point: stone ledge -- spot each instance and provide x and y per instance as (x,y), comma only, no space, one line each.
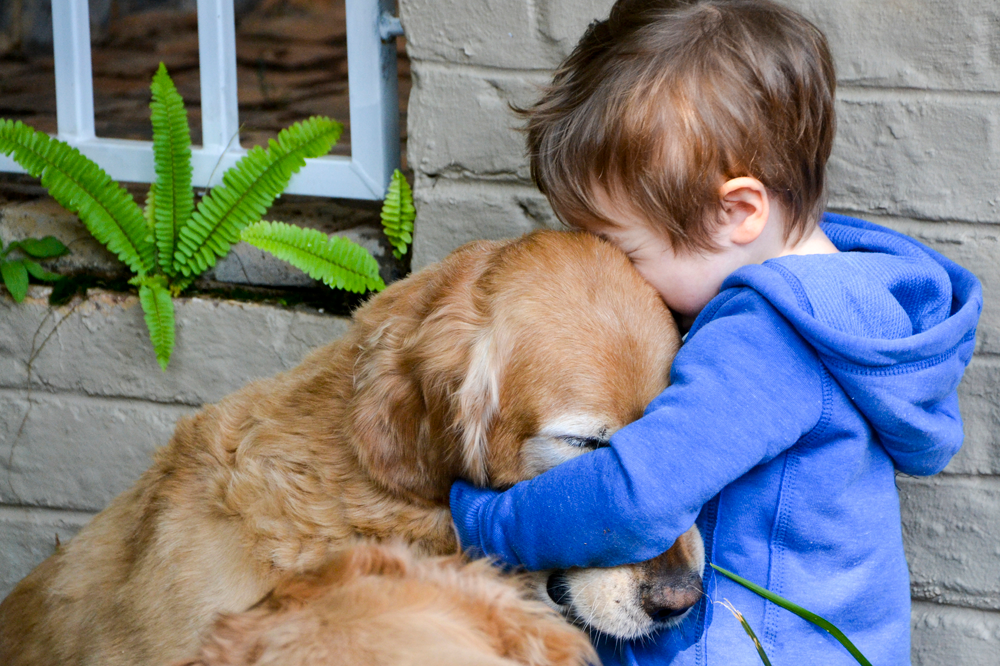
(950,635)
(951,528)
(101,346)
(28,536)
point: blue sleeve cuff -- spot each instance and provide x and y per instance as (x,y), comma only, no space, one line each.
(467,506)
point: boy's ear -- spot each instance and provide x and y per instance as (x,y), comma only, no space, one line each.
(745,208)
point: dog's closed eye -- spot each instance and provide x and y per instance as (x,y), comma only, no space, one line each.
(585,442)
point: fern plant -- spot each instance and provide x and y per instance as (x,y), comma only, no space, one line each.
(174,239)
(336,261)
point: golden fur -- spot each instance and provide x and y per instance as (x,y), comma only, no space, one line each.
(491,365)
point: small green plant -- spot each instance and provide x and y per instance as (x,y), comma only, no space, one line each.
(176,238)
(15,271)
(820,622)
(336,261)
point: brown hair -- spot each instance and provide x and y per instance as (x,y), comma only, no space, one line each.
(664,98)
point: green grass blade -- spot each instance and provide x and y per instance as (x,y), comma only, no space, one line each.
(800,611)
(159,313)
(336,261)
(398,214)
(82,187)
(40,273)
(15,276)
(247,191)
(172,158)
(748,629)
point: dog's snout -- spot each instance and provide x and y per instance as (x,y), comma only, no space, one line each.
(558,588)
(671,597)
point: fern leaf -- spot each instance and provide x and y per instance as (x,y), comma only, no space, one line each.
(159,314)
(398,214)
(172,157)
(247,191)
(334,260)
(105,207)
(149,211)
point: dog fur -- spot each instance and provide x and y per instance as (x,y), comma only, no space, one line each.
(494,365)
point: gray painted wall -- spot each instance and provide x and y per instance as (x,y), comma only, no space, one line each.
(918,149)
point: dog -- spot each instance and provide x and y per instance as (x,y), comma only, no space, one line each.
(382,605)
(500,362)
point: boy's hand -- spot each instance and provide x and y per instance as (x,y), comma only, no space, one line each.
(466,503)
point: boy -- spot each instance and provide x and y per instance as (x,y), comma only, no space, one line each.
(820,358)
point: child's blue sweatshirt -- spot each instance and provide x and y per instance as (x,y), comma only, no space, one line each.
(800,390)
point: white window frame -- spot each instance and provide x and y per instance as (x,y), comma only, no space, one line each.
(372,84)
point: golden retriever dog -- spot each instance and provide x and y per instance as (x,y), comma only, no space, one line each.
(378,605)
(500,362)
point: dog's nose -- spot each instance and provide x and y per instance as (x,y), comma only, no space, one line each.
(558,587)
(671,598)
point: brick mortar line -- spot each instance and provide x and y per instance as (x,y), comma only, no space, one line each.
(38,392)
(931,481)
(915,94)
(11,511)
(935,605)
(448,66)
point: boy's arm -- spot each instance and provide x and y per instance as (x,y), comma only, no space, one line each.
(745,387)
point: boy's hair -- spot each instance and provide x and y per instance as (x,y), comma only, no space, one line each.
(661,102)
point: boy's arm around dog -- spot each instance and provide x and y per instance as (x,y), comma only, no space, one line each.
(871,342)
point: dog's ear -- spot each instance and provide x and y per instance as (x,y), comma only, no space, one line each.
(417,380)
(479,403)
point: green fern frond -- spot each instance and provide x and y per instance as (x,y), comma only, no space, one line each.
(82,187)
(149,211)
(172,158)
(247,191)
(336,261)
(159,314)
(398,214)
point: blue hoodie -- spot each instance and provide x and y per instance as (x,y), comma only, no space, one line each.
(801,389)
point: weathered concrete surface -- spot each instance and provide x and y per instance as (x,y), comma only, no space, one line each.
(950,635)
(100,346)
(28,536)
(457,212)
(951,527)
(77,452)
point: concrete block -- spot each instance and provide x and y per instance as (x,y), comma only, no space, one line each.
(513,34)
(949,635)
(951,528)
(919,155)
(461,124)
(100,346)
(977,396)
(452,213)
(974,246)
(28,536)
(923,44)
(77,452)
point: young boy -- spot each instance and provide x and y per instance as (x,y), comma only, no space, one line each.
(823,356)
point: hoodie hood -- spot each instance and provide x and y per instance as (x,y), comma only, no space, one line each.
(893,322)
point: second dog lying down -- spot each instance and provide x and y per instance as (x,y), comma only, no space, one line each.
(495,365)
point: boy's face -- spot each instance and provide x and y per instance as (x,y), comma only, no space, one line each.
(685,280)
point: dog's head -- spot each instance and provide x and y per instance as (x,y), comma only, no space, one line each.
(505,361)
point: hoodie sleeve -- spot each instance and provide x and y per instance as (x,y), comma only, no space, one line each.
(745,387)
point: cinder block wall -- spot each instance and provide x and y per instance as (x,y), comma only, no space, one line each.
(918,149)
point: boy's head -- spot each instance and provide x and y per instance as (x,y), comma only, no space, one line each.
(666,100)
